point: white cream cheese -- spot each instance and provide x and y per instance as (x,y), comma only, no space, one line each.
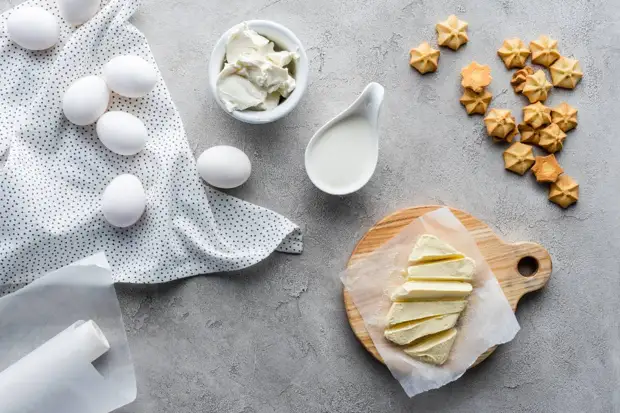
(429,248)
(433,349)
(254,75)
(401,312)
(408,332)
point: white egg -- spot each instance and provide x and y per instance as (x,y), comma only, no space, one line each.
(130,76)
(122,133)
(33,28)
(224,166)
(77,12)
(86,100)
(123,201)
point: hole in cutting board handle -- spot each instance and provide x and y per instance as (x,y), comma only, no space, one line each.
(528,266)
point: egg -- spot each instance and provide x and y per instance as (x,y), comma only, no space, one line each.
(130,76)
(33,28)
(86,100)
(122,133)
(78,12)
(123,201)
(224,166)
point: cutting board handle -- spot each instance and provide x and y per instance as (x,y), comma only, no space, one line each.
(531,255)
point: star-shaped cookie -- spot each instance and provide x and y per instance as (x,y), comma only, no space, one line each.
(565,116)
(547,168)
(537,115)
(476,102)
(566,73)
(552,138)
(514,53)
(564,191)
(518,158)
(452,32)
(424,58)
(476,76)
(536,87)
(544,51)
(500,124)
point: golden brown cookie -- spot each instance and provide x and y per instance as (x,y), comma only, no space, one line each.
(476,102)
(500,124)
(536,87)
(514,53)
(544,51)
(529,134)
(565,116)
(564,191)
(547,168)
(452,32)
(518,78)
(537,115)
(552,138)
(518,158)
(424,58)
(508,138)
(476,76)
(566,73)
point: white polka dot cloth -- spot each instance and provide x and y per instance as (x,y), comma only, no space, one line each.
(55,172)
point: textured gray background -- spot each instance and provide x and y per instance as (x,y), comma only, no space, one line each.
(274,338)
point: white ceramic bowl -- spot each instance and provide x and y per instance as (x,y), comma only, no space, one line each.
(284,39)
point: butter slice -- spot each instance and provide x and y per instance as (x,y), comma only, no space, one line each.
(430,248)
(454,270)
(408,332)
(409,311)
(433,349)
(425,290)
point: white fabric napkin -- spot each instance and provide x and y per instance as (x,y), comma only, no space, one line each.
(55,172)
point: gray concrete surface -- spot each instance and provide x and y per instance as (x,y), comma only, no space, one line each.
(274,338)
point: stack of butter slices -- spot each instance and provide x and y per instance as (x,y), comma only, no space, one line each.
(426,307)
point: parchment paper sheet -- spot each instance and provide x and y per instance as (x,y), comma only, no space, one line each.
(44,308)
(488,319)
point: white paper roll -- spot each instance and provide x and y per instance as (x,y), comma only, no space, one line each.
(40,376)
(88,340)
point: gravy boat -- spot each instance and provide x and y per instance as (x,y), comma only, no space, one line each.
(366,106)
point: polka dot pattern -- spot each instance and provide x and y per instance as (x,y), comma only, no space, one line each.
(55,172)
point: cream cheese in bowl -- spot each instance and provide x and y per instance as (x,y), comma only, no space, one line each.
(258,71)
(255,76)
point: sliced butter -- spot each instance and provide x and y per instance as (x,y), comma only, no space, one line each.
(409,311)
(426,290)
(408,332)
(433,349)
(455,270)
(430,248)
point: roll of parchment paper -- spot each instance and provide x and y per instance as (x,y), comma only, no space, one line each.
(41,379)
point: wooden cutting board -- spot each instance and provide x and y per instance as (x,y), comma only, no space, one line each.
(503,259)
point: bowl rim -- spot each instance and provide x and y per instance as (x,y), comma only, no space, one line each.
(301,74)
